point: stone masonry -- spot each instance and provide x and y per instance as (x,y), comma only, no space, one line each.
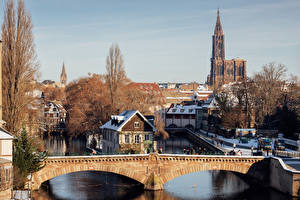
(152,170)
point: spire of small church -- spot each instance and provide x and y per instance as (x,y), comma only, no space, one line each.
(218,28)
(63,76)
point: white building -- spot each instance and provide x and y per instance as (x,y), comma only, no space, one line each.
(6,140)
(182,116)
(128,132)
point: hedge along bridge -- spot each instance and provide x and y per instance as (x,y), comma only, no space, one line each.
(152,170)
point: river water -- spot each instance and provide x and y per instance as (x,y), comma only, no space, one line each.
(205,185)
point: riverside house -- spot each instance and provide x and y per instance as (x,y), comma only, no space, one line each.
(128,132)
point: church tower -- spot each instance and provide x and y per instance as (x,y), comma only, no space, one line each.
(63,76)
(218,51)
(224,71)
(218,54)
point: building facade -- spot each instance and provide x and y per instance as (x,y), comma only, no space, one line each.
(224,71)
(128,132)
(53,116)
(181,116)
(199,115)
(6,167)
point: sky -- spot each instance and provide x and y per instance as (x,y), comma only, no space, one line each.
(162,40)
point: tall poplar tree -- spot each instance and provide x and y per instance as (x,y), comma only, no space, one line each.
(115,76)
(19,64)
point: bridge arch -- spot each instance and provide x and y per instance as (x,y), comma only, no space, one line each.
(172,126)
(55,168)
(50,174)
(190,168)
(189,126)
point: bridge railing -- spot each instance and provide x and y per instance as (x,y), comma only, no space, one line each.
(111,154)
(290,154)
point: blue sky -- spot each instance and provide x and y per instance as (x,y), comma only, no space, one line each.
(162,40)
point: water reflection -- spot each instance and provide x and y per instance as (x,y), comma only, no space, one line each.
(60,146)
(206,185)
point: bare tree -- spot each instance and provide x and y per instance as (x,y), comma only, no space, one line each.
(268,89)
(160,126)
(115,75)
(20,66)
(86,104)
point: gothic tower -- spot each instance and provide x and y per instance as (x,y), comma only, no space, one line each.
(218,54)
(63,76)
(218,51)
(224,71)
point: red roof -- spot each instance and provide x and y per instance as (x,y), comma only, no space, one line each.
(146,86)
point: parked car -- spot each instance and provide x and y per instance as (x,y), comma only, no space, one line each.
(258,153)
(267,144)
(244,140)
(279,144)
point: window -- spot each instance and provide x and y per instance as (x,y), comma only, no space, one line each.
(137,139)
(169,116)
(174,110)
(181,110)
(127,139)
(136,124)
(54,109)
(190,110)
(147,137)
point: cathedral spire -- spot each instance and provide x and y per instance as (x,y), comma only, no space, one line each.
(218,27)
(63,76)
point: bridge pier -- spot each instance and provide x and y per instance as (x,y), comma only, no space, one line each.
(154,182)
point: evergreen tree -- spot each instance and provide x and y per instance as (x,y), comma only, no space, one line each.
(286,121)
(26,158)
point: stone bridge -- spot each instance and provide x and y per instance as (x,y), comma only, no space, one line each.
(152,170)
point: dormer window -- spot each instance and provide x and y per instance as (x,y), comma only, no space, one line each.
(136,124)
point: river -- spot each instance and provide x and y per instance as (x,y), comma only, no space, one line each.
(206,185)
